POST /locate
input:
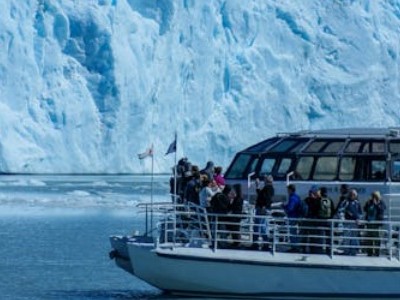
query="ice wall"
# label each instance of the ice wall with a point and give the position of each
(85, 85)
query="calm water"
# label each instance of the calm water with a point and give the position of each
(54, 235)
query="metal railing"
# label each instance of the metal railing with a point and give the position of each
(192, 226)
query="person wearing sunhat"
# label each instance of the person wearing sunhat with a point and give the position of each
(374, 210)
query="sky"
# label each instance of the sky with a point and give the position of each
(86, 85)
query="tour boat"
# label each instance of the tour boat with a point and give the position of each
(198, 253)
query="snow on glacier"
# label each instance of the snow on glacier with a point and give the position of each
(85, 85)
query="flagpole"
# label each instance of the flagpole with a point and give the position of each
(151, 189)
(175, 175)
(175, 178)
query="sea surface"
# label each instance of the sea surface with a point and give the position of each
(54, 235)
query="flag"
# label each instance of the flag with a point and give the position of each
(172, 147)
(147, 153)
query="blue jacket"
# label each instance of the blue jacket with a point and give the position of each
(292, 208)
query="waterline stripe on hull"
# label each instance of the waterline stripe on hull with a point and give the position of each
(279, 264)
(288, 296)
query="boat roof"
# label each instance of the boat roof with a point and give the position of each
(298, 141)
(346, 132)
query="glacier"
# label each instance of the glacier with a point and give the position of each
(86, 85)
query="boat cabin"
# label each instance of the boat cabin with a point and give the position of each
(366, 159)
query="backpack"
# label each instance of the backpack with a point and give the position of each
(325, 209)
(302, 209)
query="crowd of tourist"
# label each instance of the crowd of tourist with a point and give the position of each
(308, 218)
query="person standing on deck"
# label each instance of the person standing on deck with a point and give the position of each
(344, 191)
(263, 204)
(308, 226)
(326, 211)
(293, 211)
(218, 177)
(374, 210)
(351, 209)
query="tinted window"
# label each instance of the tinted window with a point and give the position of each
(303, 167)
(253, 165)
(378, 170)
(365, 147)
(263, 146)
(334, 147)
(378, 147)
(284, 146)
(238, 167)
(353, 147)
(325, 168)
(284, 166)
(266, 166)
(396, 171)
(315, 146)
(394, 147)
(371, 169)
(347, 168)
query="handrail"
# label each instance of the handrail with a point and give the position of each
(195, 227)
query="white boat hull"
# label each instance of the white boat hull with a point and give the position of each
(249, 273)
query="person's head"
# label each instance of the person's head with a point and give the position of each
(206, 182)
(268, 179)
(210, 165)
(376, 196)
(314, 191)
(291, 188)
(218, 170)
(353, 194)
(196, 175)
(344, 189)
(204, 177)
(324, 191)
(229, 191)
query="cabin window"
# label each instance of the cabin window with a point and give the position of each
(376, 146)
(239, 166)
(304, 166)
(267, 165)
(284, 166)
(326, 168)
(353, 147)
(372, 169)
(396, 170)
(299, 146)
(253, 165)
(347, 168)
(263, 146)
(378, 169)
(283, 146)
(315, 146)
(394, 147)
(334, 147)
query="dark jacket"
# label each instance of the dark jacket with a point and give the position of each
(264, 196)
(374, 211)
(192, 191)
(220, 204)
